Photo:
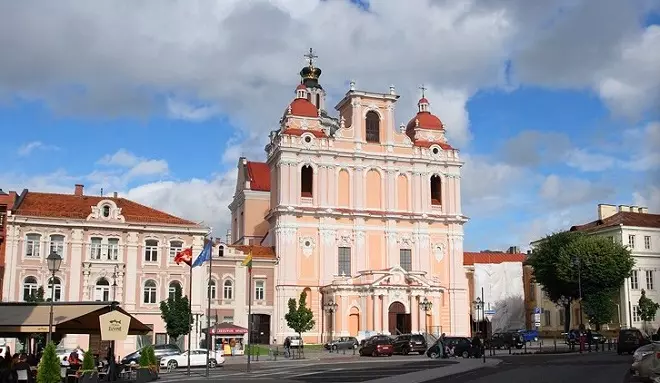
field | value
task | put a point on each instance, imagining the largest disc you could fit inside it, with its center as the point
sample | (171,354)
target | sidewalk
(309,356)
(463,365)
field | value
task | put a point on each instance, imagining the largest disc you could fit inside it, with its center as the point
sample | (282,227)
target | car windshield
(417,338)
(382,341)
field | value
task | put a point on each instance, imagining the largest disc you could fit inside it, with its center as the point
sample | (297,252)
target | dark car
(461,346)
(380,336)
(160,350)
(630,340)
(343,343)
(512,339)
(377,346)
(598,337)
(409,343)
(529,335)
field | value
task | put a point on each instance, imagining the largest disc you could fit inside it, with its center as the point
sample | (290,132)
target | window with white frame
(113,249)
(55,289)
(171,290)
(647,242)
(33,245)
(175,248)
(259,290)
(30,288)
(635,314)
(151,250)
(95,248)
(57,244)
(631,241)
(213,289)
(547,317)
(102,290)
(634,280)
(150,292)
(228,319)
(344,261)
(228,290)
(405,259)
(649,279)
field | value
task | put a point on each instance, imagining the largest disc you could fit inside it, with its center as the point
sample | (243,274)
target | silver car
(643,360)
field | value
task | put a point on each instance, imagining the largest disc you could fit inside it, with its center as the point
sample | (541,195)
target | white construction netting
(503,290)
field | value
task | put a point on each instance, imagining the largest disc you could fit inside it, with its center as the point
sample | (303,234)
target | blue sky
(552,118)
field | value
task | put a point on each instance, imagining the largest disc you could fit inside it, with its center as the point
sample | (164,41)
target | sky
(554,105)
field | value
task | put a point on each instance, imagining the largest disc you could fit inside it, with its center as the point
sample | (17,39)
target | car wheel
(421,353)
(374,354)
(334,347)
(389,355)
(465,354)
(355,346)
(434,355)
(213,363)
(405,351)
(172,365)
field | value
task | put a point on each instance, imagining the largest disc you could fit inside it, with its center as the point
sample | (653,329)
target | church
(361,214)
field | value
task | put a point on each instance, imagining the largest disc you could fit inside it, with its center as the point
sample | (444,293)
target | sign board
(537,319)
(114,325)
(537,310)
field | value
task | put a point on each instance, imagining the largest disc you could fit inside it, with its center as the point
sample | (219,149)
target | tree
(299,318)
(646,309)
(175,311)
(49,366)
(599,308)
(569,264)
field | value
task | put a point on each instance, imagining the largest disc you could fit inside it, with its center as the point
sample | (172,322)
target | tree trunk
(567,317)
(597,326)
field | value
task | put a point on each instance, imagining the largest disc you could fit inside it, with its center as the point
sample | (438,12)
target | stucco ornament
(304,125)
(307,245)
(406,240)
(359,238)
(423,240)
(439,251)
(328,235)
(344,239)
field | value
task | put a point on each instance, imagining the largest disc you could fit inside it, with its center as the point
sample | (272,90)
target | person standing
(590,339)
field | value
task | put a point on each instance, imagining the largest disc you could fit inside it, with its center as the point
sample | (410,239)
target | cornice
(18,220)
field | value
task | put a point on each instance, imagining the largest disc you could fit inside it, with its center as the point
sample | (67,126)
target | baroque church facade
(363,215)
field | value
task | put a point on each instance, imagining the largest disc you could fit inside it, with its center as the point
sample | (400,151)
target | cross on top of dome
(310,56)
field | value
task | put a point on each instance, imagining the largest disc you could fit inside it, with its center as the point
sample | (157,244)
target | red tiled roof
(301,107)
(427,120)
(471,258)
(79,207)
(259,176)
(258,252)
(623,218)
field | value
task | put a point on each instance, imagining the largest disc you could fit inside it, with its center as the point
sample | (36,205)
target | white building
(640,231)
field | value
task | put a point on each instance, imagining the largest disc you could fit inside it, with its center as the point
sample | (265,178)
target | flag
(248,261)
(185,256)
(205,255)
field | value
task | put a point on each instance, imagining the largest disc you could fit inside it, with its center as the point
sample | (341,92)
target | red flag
(184,255)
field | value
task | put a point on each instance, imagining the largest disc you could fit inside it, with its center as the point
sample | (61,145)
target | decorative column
(385,308)
(343,308)
(75,265)
(363,312)
(375,312)
(132,257)
(358,188)
(414,312)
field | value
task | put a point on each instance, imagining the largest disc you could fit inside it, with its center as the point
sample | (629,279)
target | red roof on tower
(471,258)
(259,176)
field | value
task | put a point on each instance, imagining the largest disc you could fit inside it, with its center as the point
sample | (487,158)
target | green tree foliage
(88,362)
(300,318)
(566,262)
(175,311)
(144,357)
(49,366)
(152,356)
(600,308)
(647,309)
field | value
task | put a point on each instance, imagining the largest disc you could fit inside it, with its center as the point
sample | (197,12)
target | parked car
(529,335)
(598,337)
(409,343)
(160,350)
(462,346)
(377,346)
(342,343)
(630,340)
(511,339)
(293,342)
(197,359)
(379,336)
(642,366)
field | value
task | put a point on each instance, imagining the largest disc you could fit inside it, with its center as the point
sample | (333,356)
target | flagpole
(190,294)
(249,313)
(208,311)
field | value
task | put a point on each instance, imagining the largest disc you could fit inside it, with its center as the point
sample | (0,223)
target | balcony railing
(100,252)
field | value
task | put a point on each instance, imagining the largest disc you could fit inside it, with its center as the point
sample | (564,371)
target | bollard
(509,350)
(541,346)
(525,347)
(555,342)
(277,351)
(344,351)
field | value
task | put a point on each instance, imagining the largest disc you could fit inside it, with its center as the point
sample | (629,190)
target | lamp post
(330,307)
(114,284)
(54,261)
(427,306)
(478,306)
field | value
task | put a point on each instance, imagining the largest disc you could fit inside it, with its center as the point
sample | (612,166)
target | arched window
(373,127)
(54,288)
(213,289)
(436,190)
(102,290)
(30,288)
(106,211)
(33,245)
(306,181)
(150,292)
(57,244)
(228,290)
(172,289)
(151,250)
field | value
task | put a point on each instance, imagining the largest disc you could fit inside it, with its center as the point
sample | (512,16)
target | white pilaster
(385,311)
(131,270)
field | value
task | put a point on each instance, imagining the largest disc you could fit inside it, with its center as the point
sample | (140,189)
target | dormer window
(106,211)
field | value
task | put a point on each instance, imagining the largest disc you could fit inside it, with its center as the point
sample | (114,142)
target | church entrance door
(399,321)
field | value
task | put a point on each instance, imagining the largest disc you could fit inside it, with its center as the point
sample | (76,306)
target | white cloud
(121,158)
(123,167)
(181,110)
(27,149)
(586,161)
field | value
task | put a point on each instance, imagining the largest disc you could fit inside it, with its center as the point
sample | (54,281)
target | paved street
(601,368)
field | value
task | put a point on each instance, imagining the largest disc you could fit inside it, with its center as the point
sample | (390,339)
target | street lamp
(427,306)
(114,284)
(54,261)
(330,307)
(478,306)
(576,262)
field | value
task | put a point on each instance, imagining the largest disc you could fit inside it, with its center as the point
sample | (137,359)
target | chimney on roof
(79,190)
(605,211)
(624,208)
(643,210)
(228,239)
(634,208)
(114,195)
(513,250)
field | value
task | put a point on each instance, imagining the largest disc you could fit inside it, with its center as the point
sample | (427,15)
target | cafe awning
(221,329)
(68,318)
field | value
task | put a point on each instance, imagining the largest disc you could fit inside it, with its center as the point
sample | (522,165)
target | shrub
(49,366)
(152,357)
(144,357)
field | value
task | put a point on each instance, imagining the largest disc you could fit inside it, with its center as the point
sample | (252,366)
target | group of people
(448,348)
(18,367)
